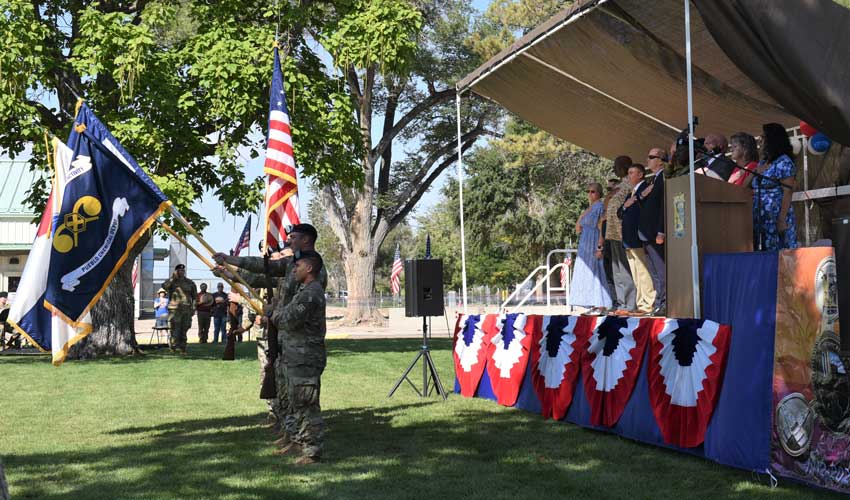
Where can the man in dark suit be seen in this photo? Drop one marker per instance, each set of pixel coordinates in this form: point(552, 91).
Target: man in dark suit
point(651, 228)
point(716, 160)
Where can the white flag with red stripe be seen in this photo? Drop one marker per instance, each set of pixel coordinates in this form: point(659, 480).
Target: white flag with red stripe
point(282, 210)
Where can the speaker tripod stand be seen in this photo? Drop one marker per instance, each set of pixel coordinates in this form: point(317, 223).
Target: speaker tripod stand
point(429, 384)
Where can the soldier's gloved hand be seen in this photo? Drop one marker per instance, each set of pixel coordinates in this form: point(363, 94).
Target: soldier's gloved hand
point(220, 258)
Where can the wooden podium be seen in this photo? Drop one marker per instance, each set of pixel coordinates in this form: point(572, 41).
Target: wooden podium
point(724, 225)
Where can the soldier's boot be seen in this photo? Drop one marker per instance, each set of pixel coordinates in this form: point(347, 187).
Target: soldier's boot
point(283, 440)
point(289, 449)
point(307, 460)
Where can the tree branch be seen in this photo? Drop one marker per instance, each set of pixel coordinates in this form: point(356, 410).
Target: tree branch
point(430, 101)
point(467, 140)
point(48, 119)
point(337, 218)
point(423, 182)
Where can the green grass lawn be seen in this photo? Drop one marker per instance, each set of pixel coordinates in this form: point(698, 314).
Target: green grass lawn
point(166, 427)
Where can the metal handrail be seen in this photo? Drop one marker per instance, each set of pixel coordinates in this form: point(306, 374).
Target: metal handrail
point(549, 270)
point(530, 275)
point(539, 284)
point(549, 289)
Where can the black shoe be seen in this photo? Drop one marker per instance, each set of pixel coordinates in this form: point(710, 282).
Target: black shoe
point(659, 311)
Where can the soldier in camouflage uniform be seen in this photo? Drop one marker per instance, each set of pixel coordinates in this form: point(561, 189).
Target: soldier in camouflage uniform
point(302, 237)
point(304, 356)
point(181, 306)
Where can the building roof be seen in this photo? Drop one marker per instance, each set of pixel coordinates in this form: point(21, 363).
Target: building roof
point(16, 178)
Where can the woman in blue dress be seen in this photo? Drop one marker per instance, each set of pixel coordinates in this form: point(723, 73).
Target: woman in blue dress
point(589, 286)
point(774, 225)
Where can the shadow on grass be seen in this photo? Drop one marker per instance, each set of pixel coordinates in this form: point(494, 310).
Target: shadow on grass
point(461, 449)
point(247, 350)
point(348, 347)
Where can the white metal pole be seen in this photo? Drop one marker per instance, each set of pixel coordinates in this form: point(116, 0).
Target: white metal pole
point(805, 181)
point(692, 186)
point(460, 197)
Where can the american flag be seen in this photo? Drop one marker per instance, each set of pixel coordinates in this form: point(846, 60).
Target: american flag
point(135, 272)
point(395, 274)
point(282, 180)
point(244, 238)
point(568, 261)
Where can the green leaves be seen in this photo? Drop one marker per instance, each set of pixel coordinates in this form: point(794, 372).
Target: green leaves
point(380, 33)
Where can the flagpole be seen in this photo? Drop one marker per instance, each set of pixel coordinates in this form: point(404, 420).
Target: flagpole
point(235, 286)
point(460, 194)
point(210, 249)
point(692, 186)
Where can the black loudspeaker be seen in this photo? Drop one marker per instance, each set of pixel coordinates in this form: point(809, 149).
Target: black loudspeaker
point(841, 242)
point(423, 288)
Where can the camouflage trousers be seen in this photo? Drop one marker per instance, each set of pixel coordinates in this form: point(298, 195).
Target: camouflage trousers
point(307, 413)
point(281, 406)
point(262, 347)
point(179, 321)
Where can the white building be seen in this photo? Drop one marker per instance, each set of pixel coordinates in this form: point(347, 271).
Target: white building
point(17, 227)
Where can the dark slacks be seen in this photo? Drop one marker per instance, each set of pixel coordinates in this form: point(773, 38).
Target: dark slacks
point(658, 272)
point(623, 284)
point(609, 273)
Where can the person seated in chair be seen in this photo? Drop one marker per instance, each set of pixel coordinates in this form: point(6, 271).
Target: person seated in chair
point(160, 307)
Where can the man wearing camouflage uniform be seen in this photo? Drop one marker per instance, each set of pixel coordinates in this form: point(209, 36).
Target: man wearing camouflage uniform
point(181, 306)
point(302, 237)
point(304, 356)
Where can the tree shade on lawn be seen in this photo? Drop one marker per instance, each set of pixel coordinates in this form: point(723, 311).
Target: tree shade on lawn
point(193, 428)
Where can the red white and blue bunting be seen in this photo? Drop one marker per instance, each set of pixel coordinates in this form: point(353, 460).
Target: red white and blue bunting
point(610, 365)
point(686, 362)
point(556, 358)
point(508, 357)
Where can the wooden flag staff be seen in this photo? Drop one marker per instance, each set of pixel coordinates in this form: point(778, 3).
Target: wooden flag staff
point(255, 304)
point(212, 251)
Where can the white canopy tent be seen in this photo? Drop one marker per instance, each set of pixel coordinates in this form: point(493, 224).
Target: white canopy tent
point(616, 77)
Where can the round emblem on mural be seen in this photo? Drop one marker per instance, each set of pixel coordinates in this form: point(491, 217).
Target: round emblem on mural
point(830, 383)
point(826, 291)
point(794, 421)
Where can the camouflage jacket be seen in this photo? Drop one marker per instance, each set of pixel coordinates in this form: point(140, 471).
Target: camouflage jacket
point(253, 271)
point(181, 293)
point(303, 319)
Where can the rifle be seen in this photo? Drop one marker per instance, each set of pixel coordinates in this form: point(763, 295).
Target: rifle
point(268, 387)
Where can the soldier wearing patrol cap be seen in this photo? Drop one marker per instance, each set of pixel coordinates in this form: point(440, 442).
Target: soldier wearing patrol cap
point(181, 306)
point(303, 322)
point(301, 238)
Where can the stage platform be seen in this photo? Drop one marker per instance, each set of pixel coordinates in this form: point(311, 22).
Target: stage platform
point(737, 388)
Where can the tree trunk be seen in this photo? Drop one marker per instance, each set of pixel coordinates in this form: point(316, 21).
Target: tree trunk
point(360, 278)
point(113, 324)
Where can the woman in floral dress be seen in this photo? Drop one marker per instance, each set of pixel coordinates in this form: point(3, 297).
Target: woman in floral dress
point(774, 225)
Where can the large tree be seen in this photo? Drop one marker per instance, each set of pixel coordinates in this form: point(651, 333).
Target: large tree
point(401, 60)
point(184, 86)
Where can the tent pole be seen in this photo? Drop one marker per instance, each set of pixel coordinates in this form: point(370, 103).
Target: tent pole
point(805, 181)
point(460, 196)
point(692, 186)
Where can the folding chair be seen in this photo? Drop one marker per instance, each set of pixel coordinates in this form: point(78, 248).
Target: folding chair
point(157, 331)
